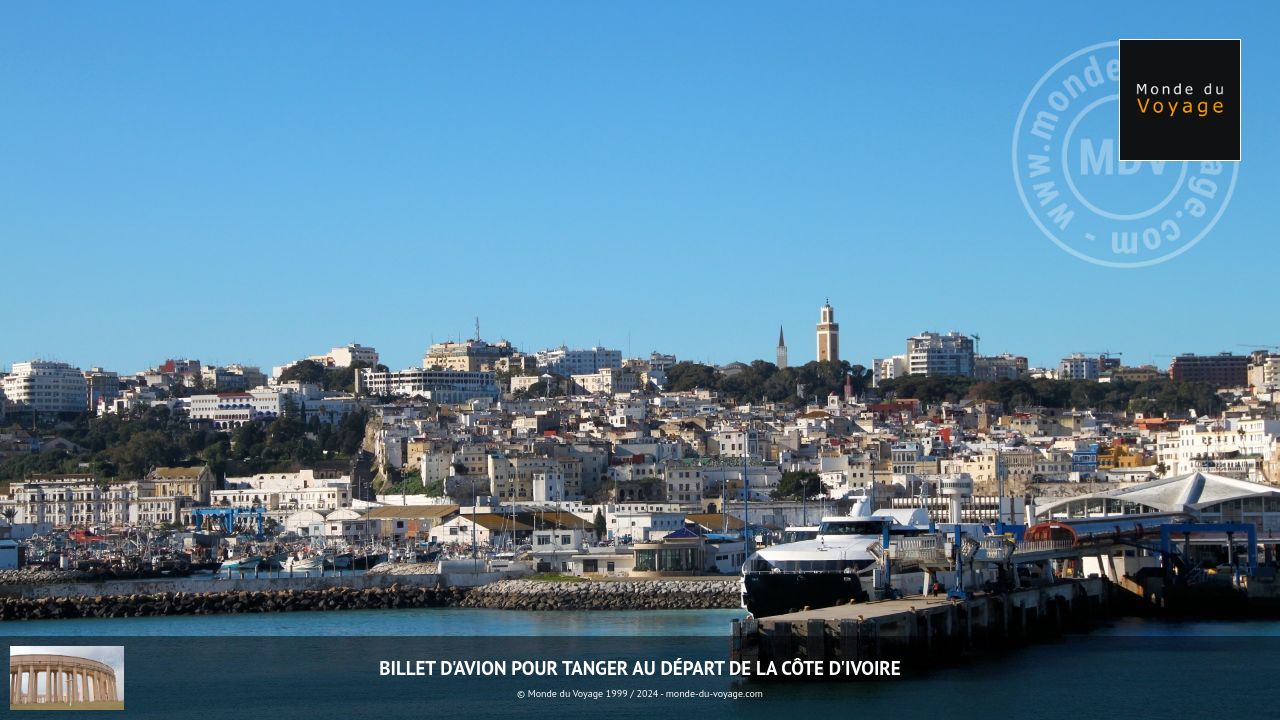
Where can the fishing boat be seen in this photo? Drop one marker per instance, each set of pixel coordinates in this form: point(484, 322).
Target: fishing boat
point(340, 561)
point(302, 563)
point(366, 560)
point(247, 563)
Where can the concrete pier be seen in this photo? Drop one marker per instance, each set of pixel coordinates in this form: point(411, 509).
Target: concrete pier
point(922, 627)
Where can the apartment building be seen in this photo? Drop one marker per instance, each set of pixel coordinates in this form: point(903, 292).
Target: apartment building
point(46, 386)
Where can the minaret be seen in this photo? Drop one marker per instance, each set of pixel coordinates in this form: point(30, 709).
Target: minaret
point(782, 350)
point(828, 335)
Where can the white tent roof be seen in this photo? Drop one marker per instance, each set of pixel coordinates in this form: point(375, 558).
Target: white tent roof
point(1177, 494)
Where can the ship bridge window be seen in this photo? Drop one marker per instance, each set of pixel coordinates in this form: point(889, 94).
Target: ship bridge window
point(851, 527)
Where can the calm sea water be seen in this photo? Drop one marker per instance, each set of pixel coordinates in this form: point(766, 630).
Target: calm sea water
point(400, 623)
point(325, 666)
point(506, 623)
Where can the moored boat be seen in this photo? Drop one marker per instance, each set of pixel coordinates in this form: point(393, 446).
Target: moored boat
point(302, 563)
point(248, 563)
point(828, 569)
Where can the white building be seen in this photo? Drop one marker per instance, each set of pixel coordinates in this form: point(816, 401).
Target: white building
point(229, 410)
point(46, 386)
point(1077, 366)
point(1264, 372)
point(444, 386)
point(348, 355)
point(1227, 446)
point(289, 492)
point(605, 381)
point(564, 361)
point(889, 368)
point(82, 500)
point(932, 354)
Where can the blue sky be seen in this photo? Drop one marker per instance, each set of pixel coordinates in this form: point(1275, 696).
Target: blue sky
point(247, 182)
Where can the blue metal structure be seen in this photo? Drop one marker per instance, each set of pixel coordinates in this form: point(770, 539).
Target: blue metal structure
point(227, 517)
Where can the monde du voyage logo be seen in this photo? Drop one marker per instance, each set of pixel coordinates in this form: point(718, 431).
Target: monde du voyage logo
point(1123, 184)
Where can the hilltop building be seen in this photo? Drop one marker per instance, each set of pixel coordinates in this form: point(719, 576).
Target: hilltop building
point(828, 335)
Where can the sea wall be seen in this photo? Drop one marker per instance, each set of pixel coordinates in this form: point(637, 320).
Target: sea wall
point(211, 603)
point(368, 592)
point(683, 594)
point(205, 584)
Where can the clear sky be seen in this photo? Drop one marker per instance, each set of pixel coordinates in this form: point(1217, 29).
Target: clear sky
point(254, 182)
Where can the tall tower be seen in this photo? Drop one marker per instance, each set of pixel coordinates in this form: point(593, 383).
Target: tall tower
point(782, 350)
point(828, 335)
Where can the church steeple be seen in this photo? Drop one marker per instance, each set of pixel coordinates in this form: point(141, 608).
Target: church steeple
point(782, 350)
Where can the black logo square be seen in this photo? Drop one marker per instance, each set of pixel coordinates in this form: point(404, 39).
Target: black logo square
point(1179, 99)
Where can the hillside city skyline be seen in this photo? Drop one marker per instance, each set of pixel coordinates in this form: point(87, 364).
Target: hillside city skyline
point(803, 348)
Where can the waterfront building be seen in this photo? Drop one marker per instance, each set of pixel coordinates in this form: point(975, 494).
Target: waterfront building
point(828, 334)
point(309, 489)
point(194, 482)
point(399, 522)
point(1207, 497)
point(63, 501)
point(487, 528)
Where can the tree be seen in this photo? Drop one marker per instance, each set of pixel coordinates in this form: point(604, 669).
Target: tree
point(601, 527)
point(799, 485)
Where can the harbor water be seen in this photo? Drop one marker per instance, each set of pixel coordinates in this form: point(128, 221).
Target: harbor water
point(322, 665)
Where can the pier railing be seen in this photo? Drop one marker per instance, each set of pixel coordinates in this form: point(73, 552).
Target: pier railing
point(1042, 546)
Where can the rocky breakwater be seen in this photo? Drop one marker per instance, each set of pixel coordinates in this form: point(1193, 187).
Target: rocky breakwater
point(210, 603)
point(37, 576)
point(690, 594)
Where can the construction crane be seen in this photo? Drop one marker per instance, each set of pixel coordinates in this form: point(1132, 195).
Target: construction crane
point(1259, 346)
point(977, 340)
point(1100, 353)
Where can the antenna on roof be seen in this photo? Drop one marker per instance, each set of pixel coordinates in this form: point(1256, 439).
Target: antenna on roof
point(477, 328)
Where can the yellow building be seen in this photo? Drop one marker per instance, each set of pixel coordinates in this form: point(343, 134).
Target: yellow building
point(196, 483)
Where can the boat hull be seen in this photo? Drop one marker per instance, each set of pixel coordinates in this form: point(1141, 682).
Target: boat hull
point(775, 593)
point(240, 566)
point(296, 565)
